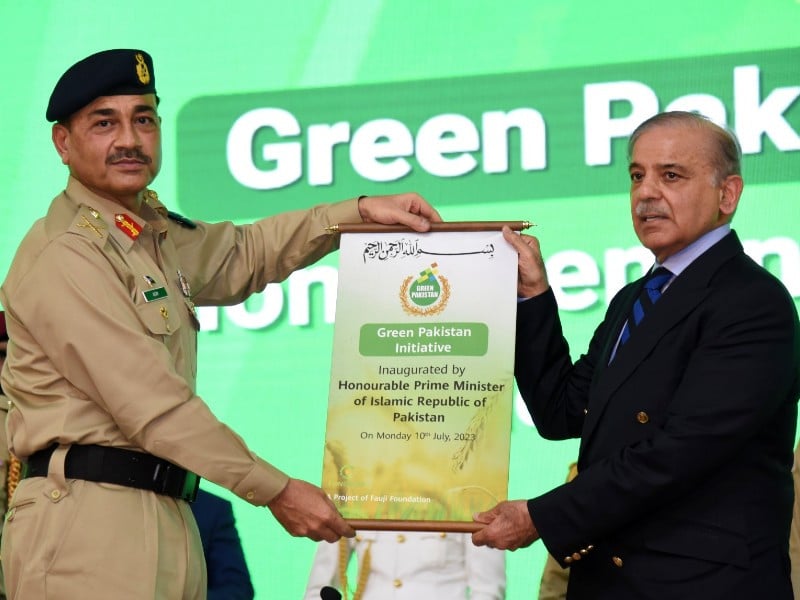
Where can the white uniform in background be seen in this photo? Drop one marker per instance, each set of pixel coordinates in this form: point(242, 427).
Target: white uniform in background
point(411, 566)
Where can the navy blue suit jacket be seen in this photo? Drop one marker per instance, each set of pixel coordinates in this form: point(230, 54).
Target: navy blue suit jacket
point(684, 487)
point(228, 577)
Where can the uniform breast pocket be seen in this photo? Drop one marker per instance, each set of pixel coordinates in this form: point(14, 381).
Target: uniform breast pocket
point(160, 318)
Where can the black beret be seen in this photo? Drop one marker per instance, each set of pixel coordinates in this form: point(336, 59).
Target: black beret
point(107, 73)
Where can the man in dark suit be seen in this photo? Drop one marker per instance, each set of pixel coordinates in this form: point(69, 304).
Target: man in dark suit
point(685, 401)
point(228, 576)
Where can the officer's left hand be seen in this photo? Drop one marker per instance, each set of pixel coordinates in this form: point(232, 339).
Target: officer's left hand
point(508, 526)
point(405, 209)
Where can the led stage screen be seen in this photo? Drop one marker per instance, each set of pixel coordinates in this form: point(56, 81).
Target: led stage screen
point(516, 110)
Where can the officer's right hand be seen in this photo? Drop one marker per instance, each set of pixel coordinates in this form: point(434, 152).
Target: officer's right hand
point(305, 510)
point(406, 209)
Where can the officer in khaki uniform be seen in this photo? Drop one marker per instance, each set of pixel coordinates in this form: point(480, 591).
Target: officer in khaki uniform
point(101, 364)
point(5, 456)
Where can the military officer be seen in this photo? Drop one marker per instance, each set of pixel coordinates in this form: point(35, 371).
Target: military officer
point(101, 364)
point(6, 470)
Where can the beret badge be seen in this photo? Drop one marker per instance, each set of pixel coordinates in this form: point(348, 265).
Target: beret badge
point(141, 69)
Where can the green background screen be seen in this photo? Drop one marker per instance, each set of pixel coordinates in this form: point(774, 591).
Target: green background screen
point(378, 96)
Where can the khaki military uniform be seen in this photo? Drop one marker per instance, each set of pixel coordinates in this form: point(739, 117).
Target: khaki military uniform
point(99, 307)
point(5, 458)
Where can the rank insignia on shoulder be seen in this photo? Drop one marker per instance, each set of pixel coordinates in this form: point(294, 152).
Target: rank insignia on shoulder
point(95, 226)
point(181, 220)
point(127, 225)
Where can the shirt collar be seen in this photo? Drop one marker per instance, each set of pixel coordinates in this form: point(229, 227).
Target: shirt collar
point(678, 262)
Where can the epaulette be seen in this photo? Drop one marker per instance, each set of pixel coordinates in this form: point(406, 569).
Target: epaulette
point(181, 220)
point(88, 223)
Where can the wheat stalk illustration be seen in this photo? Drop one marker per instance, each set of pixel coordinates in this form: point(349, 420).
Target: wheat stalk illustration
point(339, 458)
point(476, 426)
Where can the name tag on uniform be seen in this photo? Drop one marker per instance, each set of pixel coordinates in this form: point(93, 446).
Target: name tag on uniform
point(154, 294)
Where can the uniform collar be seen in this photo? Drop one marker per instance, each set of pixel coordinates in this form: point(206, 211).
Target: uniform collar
point(124, 226)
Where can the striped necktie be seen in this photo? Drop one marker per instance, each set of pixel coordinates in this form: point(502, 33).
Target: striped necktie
point(651, 292)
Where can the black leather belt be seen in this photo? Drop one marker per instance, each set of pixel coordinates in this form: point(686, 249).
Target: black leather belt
point(122, 467)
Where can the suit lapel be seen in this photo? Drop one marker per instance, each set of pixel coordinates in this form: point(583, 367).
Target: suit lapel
point(684, 294)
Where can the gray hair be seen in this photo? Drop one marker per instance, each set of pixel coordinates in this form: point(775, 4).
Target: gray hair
point(727, 159)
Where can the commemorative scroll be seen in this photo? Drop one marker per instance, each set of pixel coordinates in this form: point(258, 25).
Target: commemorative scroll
point(421, 390)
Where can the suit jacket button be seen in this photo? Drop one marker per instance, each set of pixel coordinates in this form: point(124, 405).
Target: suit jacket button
point(568, 559)
point(617, 561)
point(576, 556)
point(642, 417)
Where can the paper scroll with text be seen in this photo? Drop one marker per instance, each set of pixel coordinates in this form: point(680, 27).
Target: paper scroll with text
point(419, 410)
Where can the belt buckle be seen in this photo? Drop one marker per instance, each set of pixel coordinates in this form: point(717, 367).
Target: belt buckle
point(163, 478)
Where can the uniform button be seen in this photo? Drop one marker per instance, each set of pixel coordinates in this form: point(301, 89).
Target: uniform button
point(584, 552)
point(359, 538)
point(642, 417)
point(250, 495)
point(55, 494)
point(590, 547)
point(442, 534)
point(10, 514)
point(568, 559)
point(400, 538)
point(617, 561)
point(397, 583)
point(576, 556)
